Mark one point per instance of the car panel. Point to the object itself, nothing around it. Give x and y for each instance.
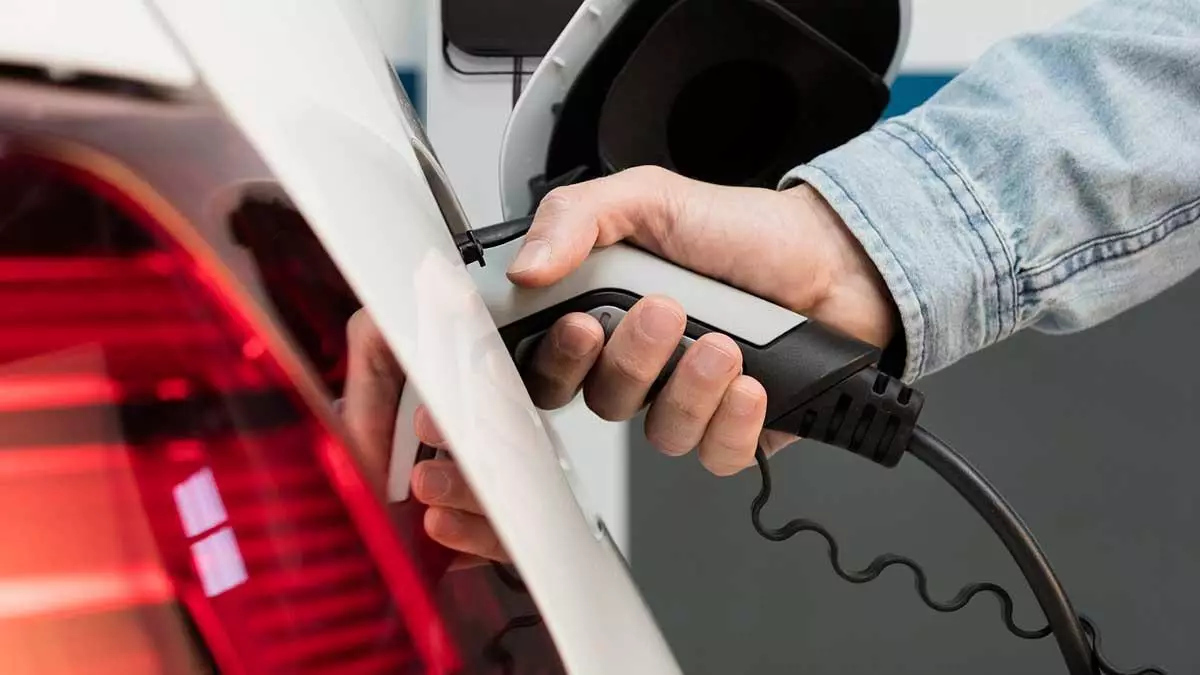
(114, 38)
(186, 160)
(309, 90)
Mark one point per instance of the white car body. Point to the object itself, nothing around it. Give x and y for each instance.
(313, 92)
(310, 89)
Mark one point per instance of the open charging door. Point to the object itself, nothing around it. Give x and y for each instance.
(729, 92)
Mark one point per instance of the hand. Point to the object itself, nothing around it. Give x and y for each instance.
(789, 247)
(454, 517)
(374, 383)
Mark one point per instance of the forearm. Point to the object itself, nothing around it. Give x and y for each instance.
(1054, 184)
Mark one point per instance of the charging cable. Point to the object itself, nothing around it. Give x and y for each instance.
(840, 398)
(1077, 637)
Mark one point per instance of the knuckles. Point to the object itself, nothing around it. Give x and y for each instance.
(551, 389)
(647, 174)
(630, 368)
(558, 201)
(670, 440)
(604, 405)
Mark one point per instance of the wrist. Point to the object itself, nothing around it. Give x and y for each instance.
(948, 265)
(856, 298)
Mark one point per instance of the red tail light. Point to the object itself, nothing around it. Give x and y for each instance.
(172, 503)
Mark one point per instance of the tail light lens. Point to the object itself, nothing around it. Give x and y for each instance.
(173, 503)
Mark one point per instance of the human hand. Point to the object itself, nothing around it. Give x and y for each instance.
(789, 247)
(374, 384)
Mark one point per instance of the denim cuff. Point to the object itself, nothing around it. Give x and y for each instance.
(945, 264)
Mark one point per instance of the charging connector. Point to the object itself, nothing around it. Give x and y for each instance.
(821, 385)
(868, 413)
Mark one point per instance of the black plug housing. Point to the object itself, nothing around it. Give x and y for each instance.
(869, 413)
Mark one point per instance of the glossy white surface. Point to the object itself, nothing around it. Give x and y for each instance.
(466, 117)
(619, 266)
(312, 90)
(906, 30)
(116, 38)
(527, 136)
(405, 446)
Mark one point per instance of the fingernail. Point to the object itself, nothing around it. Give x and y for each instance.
(575, 341)
(659, 323)
(711, 361)
(533, 254)
(435, 484)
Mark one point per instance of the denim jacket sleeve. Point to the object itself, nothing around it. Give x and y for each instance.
(1053, 185)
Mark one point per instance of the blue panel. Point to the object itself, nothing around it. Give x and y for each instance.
(411, 81)
(910, 91)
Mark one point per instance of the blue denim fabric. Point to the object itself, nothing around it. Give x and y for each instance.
(1052, 185)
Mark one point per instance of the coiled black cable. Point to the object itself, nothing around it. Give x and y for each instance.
(883, 562)
(495, 650)
(1102, 664)
(509, 578)
(497, 653)
(1013, 533)
(1078, 639)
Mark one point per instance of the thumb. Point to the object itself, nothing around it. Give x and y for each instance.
(571, 221)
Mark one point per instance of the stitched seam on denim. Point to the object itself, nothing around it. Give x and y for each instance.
(974, 227)
(1009, 255)
(925, 327)
(1086, 246)
(1167, 228)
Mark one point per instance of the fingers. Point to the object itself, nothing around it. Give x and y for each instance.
(426, 429)
(464, 532)
(438, 482)
(639, 349)
(563, 360)
(708, 404)
(470, 562)
(774, 441)
(374, 383)
(454, 518)
(680, 414)
(732, 436)
(572, 220)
